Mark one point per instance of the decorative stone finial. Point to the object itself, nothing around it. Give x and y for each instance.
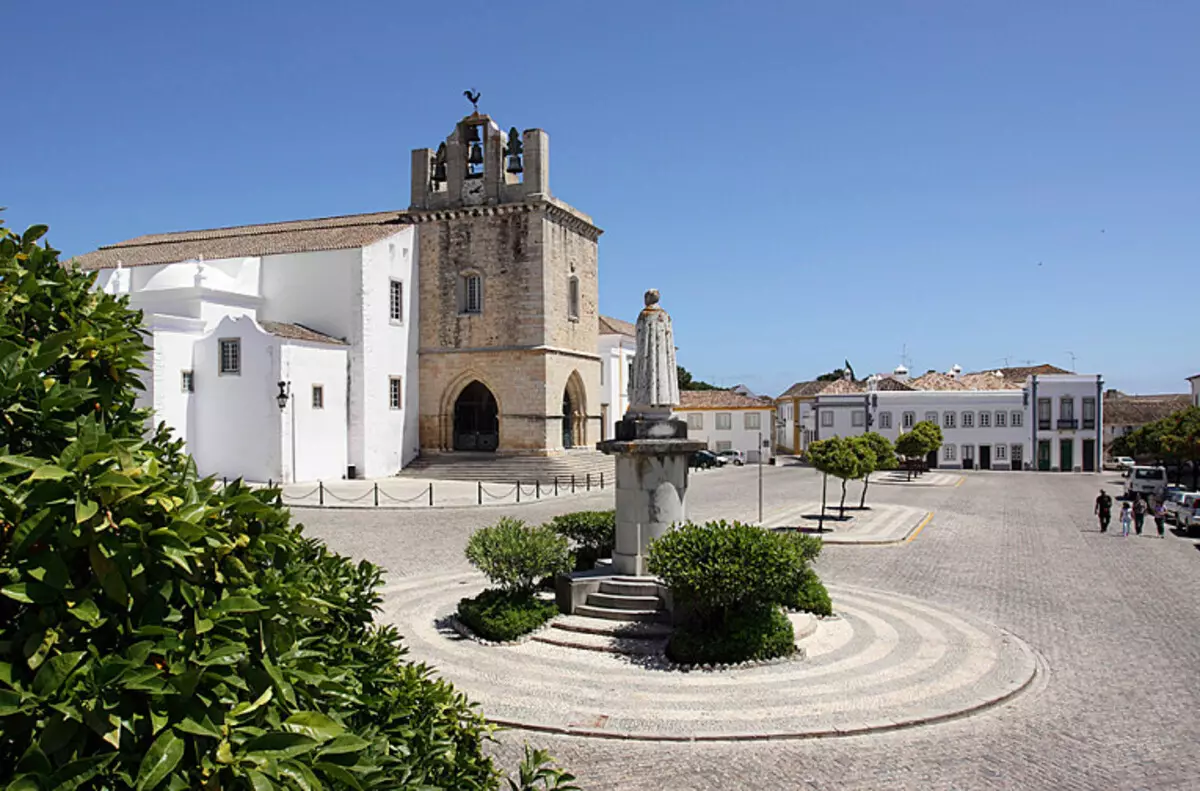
(651, 297)
(654, 386)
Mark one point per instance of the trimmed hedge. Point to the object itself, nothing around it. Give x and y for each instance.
(752, 634)
(810, 596)
(515, 556)
(504, 615)
(593, 534)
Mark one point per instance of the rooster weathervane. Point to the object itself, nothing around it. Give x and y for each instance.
(473, 98)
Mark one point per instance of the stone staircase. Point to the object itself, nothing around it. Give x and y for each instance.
(587, 466)
(626, 616)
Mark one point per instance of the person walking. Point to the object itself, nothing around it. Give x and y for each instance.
(1104, 510)
(1139, 513)
(1126, 518)
(1160, 516)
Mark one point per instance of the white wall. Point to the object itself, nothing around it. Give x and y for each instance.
(1195, 383)
(173, 342)
(320, 434)
(1058, 387)
(739, 437)
(616, 355)
(960, 403)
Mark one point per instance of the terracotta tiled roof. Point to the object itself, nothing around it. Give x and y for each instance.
(832, 387)
(989, 381)
(716, 399)
(611, 326)
(298, 332)
(887, 383)
(802, 389)
(936, 381)
(1020, 373)
(296, 236)
(1127, 410)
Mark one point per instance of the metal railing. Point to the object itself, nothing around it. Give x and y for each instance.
(1068, 422)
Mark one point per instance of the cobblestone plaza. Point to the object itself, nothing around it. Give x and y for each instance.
(1111, 619)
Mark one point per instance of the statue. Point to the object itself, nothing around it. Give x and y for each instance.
(654, 385)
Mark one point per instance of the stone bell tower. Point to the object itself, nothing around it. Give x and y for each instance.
(508, 297)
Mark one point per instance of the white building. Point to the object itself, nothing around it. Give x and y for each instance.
(618, 343)
(1049, 420)
(1194, 381)
(726, 420)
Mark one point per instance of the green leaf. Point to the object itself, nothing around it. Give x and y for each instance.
(339, 774)
(85, 510)
(48, 472)
(88, 612)
(110, 576)
(346, 743)
(279, 745)
(236, 604)
(160, 760)
(54, 672)
(314, 724)
(246, 707)
(260, 782)
(10, 703)
(300, 775)
(199, 728)
(76, 773)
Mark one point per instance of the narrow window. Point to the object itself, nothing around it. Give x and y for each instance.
(968, 419)
(948, 453)
(1001, 453)
(948, 420)
(573, 298)
(187, 381)
(826, 418)
(885, 419)
(231, 356)
(1089, 413)
(396, 301)
(394, 392)
(985, 419)
(1017, 419)
(1001, 419)
(696, 421)
(1043, 413)
(318, 396)
(472, 294)
(724, 421)
(1066, 408)
(752, 421)
(908, 419)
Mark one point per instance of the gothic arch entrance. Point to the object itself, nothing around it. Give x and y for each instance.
(476, 419)
(574, 412)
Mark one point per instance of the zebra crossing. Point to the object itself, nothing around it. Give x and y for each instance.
(881, 524)
(900, 478)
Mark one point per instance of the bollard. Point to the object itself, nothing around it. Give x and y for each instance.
(320, 493)
(377, 493)
(224, 483)
(480, 484)
(270, 483)
(431, 495)
(537, 489)
(556, 486)
(589, 482)
(518, 491)
(572, 483)
(601, 481)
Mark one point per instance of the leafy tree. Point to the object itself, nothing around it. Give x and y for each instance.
(1172, 439)
(686, 382)
(160, 632)
(913, 446)
(841, 458)
(883, 457)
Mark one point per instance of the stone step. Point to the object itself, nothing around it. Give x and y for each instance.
(628, 629)
(626, 587)
(601, 642)
(622, 602)
(642, 616)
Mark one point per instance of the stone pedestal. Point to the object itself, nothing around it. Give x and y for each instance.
(652, 478)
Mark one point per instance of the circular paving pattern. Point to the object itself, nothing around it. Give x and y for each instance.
(884, 661)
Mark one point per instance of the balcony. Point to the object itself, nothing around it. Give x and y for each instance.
(1068, 423)
(1089, 424)
(1044, 424)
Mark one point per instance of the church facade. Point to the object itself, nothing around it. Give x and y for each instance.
(348, 346)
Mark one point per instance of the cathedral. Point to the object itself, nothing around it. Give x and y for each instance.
(348, 346)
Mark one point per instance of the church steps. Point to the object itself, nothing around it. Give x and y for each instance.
(641, 616)
(490, 468)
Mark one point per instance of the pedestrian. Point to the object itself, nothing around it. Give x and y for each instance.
(1139, 512)
(1160, 516)
(1126, 518)
(1104, 510)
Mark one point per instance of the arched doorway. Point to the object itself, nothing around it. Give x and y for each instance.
(568, 421)
(476, 419)
(574, 412)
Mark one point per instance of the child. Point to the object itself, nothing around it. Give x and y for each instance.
(1126, 518)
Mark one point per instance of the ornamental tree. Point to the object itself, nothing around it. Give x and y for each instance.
(841, 458)
(883, 457)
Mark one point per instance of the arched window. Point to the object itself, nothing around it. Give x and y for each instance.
(573, 298)
(470, 293)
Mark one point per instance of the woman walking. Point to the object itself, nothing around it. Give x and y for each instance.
(1160, 516)
(1126, 518)
(1139, 513)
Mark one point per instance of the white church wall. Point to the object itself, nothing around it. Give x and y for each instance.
(317, 290)
(388, 349)
(237, 427)
(172, 354)
(320, 431)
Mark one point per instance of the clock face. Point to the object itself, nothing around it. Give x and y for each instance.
(473, 191)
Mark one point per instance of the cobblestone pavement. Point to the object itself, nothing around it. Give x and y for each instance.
(1113, 618)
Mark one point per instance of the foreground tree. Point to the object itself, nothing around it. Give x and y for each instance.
(882, 455)
(158, 632)
(841, 458)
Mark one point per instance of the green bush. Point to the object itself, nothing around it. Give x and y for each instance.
(751, 634)
(810, 596)
(158, 632)
(502, 615)
(514, 556)
(592, 533)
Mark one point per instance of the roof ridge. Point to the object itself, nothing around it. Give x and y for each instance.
(261, 229)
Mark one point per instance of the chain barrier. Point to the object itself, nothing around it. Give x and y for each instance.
(358, 499)
(303, 496)
(536, 489)
(504, 496)
(426, 492)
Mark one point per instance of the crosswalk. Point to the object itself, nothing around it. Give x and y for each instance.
(899, 477)
(880, 524)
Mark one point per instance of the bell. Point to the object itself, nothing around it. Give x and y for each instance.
(514, 163)
(439, 164)
(473, 133)
(476, 157)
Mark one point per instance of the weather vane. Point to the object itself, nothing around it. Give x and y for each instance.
(473, 98)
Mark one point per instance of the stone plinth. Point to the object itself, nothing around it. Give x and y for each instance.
(652, 478)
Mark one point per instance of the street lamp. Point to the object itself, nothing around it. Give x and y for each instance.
(281, 398)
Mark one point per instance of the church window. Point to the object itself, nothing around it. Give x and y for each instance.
(395, 391)
(231, 356)
(471, 296)
(573, 298)
(187, 381)
(724, 421)
(396, 301)
(753, 421)
(696, 421)
(318, 396)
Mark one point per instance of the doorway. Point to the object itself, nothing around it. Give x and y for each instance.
(985, 457)
(1044, 455)
(1016, 454)
(931, 459)
(1066, 455)
(1089, 455)
(568, 422)
(476, 419)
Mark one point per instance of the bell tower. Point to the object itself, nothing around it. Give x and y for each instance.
(508, 291)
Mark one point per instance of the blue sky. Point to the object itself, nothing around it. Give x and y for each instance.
(804, 182)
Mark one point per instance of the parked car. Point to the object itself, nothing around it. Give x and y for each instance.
(703, 459)
(1125, 463)
(1181, 507)
(735, 457)
(1146, 481)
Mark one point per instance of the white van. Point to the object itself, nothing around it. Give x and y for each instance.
(1146, 481)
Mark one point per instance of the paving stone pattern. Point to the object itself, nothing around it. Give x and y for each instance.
(1114, 619)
